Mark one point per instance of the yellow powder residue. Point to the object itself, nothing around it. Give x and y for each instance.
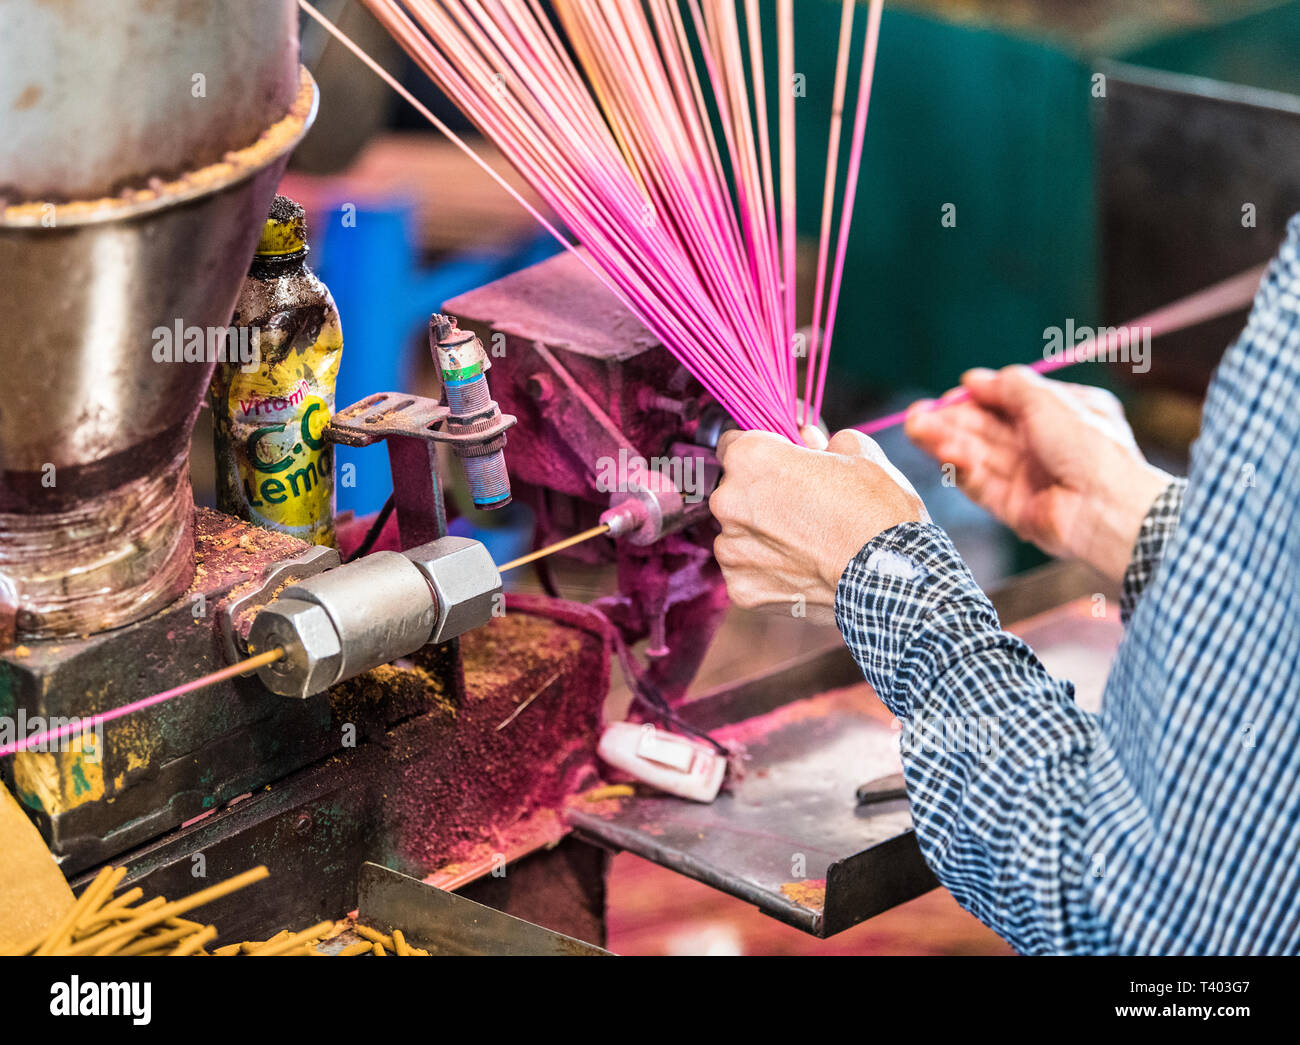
(810, 893)
(63, 780)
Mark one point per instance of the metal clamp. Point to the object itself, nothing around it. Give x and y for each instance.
(386, 415)
(237, 615)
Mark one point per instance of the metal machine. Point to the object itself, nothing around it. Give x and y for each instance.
(418, 718)
(378, 734)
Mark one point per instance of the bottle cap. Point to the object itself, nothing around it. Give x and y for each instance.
(285, 231)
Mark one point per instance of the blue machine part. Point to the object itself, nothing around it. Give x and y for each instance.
(368, 257)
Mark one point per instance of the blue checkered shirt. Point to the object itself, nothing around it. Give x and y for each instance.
(1169, 823)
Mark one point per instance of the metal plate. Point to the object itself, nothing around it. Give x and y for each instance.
(1180, 157)
(445, 923)
(787, 834)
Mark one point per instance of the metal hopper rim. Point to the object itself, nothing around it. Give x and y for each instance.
(242, 164)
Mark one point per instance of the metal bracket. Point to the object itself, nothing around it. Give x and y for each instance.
(386, 415)
(237, 615)
(412, 427)
(449, 924)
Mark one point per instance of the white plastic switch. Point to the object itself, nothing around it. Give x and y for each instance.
(679, 765)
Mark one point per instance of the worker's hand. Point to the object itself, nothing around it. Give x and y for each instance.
(1054, 461)
(792, 517)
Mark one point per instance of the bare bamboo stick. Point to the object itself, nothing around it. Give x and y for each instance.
(293, 941)
(136, 925)
(196, 941)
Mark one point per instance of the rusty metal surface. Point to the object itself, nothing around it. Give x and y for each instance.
(79, 437)
(100, 95)
(787, 833)
(104, 561)
(387, 414)
(169, 763)
(481, 767)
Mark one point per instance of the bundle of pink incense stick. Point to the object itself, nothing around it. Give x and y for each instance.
(644, 125)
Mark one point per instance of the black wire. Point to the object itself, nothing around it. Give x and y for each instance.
(376, 528)
(647, 693)
(644, 692)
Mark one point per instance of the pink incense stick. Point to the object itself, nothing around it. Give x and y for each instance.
(850, 193)
(828, 198)
(1222, 299)
(84, 726)
(789, 229)
(608, 109)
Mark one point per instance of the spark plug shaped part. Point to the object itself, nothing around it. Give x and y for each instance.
(462, 366)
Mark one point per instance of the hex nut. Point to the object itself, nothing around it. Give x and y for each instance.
(465, 581)
(313, 654)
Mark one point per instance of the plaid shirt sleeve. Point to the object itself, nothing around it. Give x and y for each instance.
(1157, 528)
(1169, 823)
(993, 789)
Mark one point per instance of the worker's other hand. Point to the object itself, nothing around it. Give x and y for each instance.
(792, 517)
(1055, 461)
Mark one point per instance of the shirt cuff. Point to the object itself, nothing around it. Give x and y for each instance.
(887, 598)
(1157, 530)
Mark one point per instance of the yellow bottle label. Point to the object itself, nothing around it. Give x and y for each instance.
(285, 466)
(280, 467)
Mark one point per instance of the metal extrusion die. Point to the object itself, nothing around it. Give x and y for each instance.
(380, 605)
(650, 507)
(313, 654)
(345, 621)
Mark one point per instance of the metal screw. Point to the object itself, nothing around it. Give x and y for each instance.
(539, 387)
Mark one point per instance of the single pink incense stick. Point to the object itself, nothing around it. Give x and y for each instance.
(828, 199)
(789, 229)
(88, 725)
(1222, 299)
(850, 193)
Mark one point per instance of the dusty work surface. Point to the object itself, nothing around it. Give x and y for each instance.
(786, 834)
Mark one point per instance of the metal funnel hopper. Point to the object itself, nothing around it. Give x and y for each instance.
(112, 311)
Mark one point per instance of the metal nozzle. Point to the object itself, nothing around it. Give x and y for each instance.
(337, 624)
